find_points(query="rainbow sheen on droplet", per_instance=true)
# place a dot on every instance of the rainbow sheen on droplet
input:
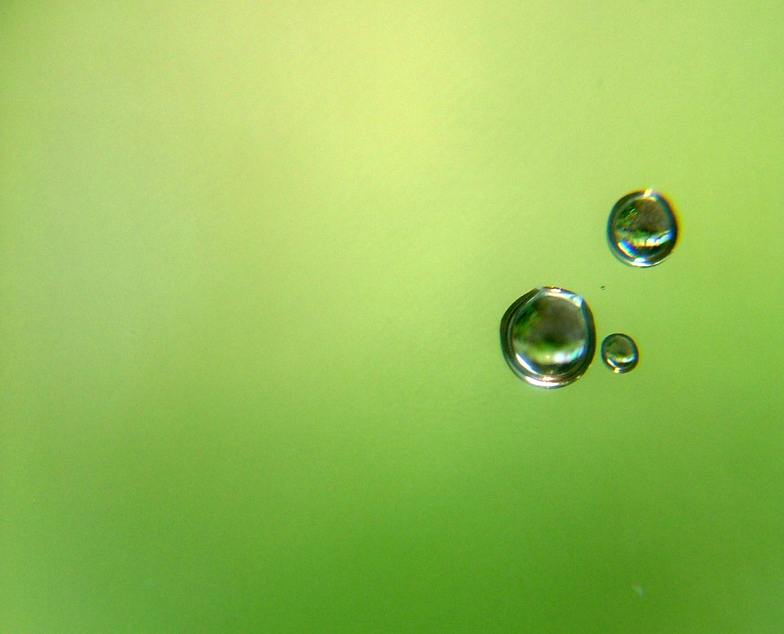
(620, 353)
(548, 337)
(642, 229)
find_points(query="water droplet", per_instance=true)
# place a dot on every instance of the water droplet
(619, 353)
(642, 229)
(548, 337)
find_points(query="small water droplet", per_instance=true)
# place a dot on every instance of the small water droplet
(619, 353)
(642, 229)
(548, 337)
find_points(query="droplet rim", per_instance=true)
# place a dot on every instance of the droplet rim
(661, 256)
(620, 369)
(507, 346)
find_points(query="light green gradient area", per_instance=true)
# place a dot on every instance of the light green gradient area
(253, 259)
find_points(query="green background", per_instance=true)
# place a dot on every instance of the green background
(253, 259)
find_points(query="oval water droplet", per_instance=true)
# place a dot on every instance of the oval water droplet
(548, 337)
(619, 353)
(642, 229)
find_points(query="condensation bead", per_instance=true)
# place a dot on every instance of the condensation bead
(620, 353)
(642, 229)
(548, 337)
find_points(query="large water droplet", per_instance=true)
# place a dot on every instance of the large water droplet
(619, 353)
(642, 229)
(548, 337)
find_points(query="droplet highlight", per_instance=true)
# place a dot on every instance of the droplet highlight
(642, 229)
(548, 337)
(620, 353)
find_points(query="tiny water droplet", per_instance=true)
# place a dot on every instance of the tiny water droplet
(642, 229)
(548, 337)
(619, 353)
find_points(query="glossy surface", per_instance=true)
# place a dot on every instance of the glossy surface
(253, 259)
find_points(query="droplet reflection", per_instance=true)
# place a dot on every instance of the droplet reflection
(619, 353)
(642, 229)
(548, 337)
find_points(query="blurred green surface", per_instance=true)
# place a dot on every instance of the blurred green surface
(253, 258)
